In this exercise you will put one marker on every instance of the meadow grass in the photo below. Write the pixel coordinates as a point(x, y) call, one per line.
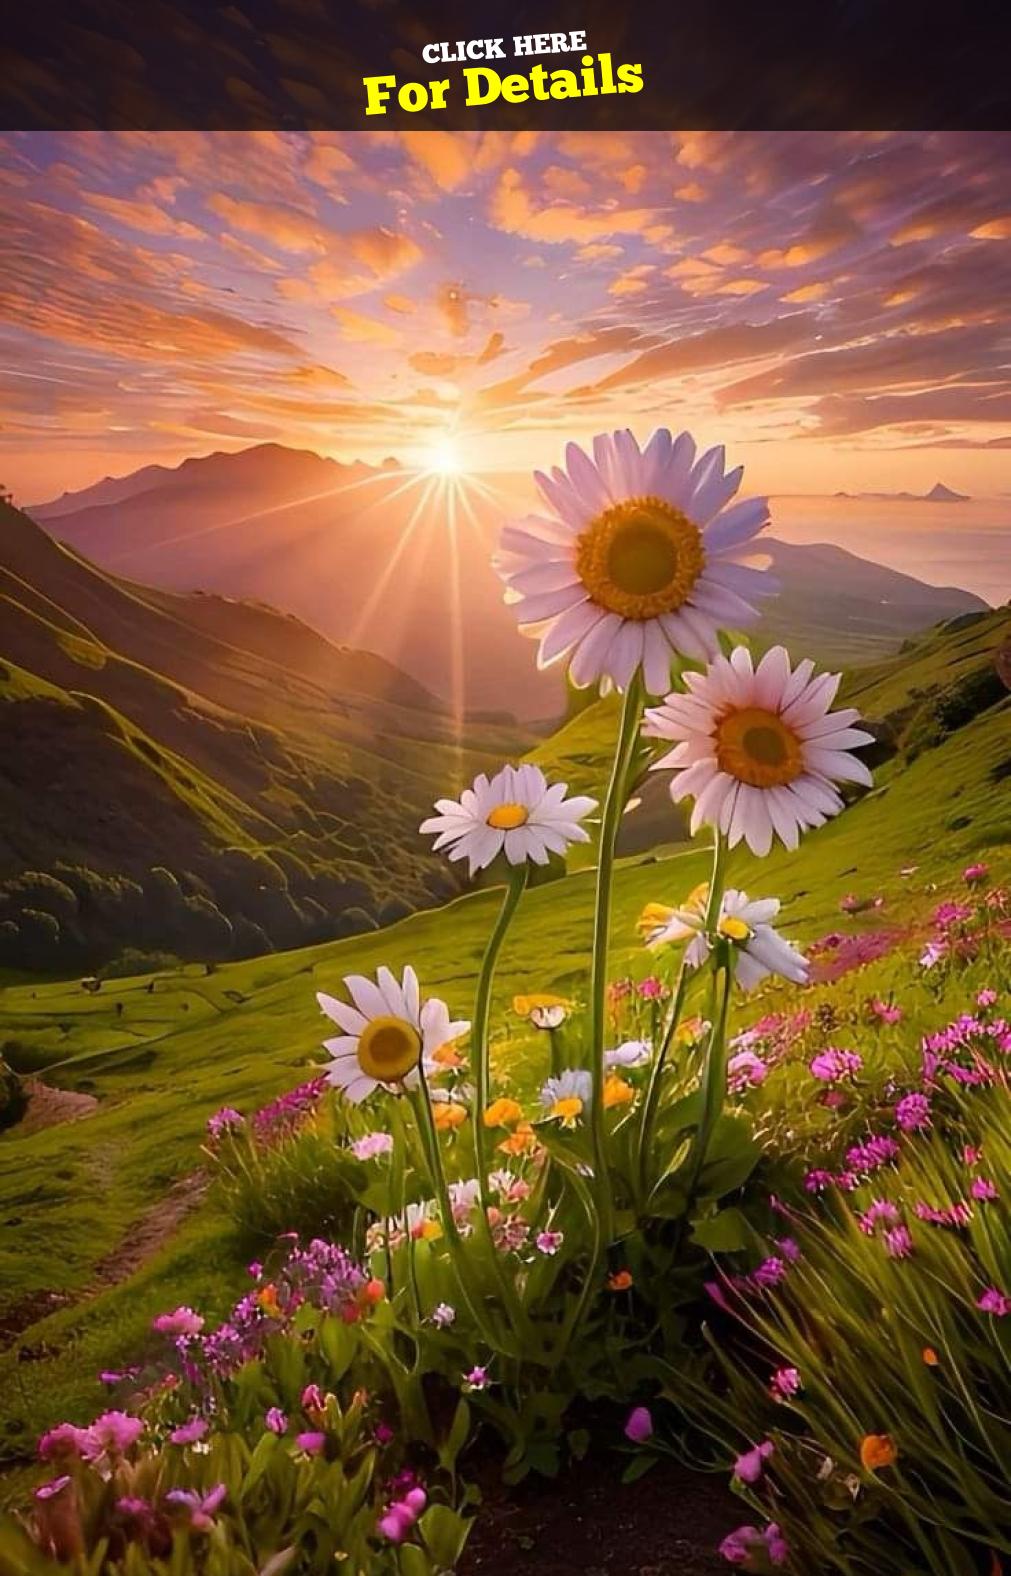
point(188, 1041)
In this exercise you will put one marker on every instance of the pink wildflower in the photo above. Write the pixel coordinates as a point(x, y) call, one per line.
point(994, 1301)
point(750, 1466)
point(746, 1543)
point(986, 998)
point(639, 1425)
point(227, 1120)
point(372, 1145)
point(887, 1011)
point(972, 875)
point(182, 1322)
point(879, 1212)
point(898, 1242)
point(201, 1507)
point(745, 1070)
point(312, 1442)
point(276, 1421)
point(913, 1112)
point(652, 989)
point(784, 1384)
point(188, 1433)
point(108, 1439)
point(477, 1378)
point(983, 1189)
point(402, 1514)
point(61, 1442)
point(549, 1242)
point(832, 1064)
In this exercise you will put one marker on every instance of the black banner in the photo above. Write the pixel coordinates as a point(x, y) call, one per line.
point(303, 64)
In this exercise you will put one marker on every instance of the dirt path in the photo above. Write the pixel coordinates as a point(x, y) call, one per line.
point(47, 1107)
point(150, 1233)
point(143, 1240)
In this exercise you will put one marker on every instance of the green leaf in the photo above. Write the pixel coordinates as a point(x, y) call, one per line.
point(457, 1437)
point(726, 1232)
point(444, 1534)
point(638, 1467)
point(260, 1461)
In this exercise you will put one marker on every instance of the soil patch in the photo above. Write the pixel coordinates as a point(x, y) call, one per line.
point(47, 1106)
point(588, 1523)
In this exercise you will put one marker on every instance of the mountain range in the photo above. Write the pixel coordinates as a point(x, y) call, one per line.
point(192, 774)
point(401, 563)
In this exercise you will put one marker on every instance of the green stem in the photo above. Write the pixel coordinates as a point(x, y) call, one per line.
point(430, 1142)
point(649, 1104)
point(479, 1028)
point(614, 805)
point(714, 1076)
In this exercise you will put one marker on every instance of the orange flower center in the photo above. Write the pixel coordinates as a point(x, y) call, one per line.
point(507, 817)
point(640, 558)
point(757, 747)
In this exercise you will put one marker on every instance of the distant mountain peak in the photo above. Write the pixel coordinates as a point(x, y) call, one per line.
point(939, 493)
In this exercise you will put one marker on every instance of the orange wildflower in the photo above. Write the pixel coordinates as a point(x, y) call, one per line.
point(617, 1092)
point(267, 1299)
point(522, 1142)
point(621, 1280)
point(503, 1113)
point(448, 1115)
point(930, 1357)
point(877, 1451)
point(448, 1056)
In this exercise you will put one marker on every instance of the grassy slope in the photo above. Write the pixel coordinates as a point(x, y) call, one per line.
point(68, 1196)
point(188, 724)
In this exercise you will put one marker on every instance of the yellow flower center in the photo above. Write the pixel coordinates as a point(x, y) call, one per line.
point(733, 929)
point(567, 1110)
point(758, 748)
point(507, 817)
point(388, 1048)
point(640, 558)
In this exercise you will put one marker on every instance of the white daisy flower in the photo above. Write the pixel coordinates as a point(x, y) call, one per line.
point(566, 1096)
point(633, 1053)
point(386, 1033)
point(517, 811)
point(746, 923)
point(639, 560)
point(758, 748)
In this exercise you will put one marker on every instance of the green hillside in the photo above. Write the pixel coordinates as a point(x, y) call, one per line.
point(936, 683)
point(158, 1054)
point(199, 777)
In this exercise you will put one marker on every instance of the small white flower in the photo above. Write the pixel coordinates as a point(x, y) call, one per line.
point(548, 1017)
point(638, 561)
point(386, 1033)
point(634, 1053)
point(758, 748)
point(744, 922)
point(517, 813)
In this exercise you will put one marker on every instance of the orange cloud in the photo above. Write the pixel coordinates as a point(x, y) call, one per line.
point(515, 210)
point(146, 217)
point(444, 155)
point(286, 228)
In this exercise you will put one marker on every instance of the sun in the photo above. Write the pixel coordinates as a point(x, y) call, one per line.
point(443, 458)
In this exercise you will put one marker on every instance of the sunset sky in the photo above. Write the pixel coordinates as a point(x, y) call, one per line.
point(831, 305)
